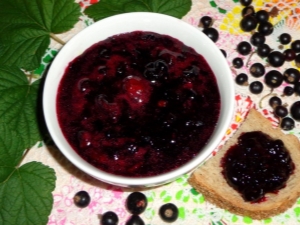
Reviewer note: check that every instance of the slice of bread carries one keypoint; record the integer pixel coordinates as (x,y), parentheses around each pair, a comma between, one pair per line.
(208,178)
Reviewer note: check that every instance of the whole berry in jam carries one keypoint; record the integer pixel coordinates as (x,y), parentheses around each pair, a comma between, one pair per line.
(295,110)
(205,22)
(135,220)
(287,124)
(168,212)
(136,203)
(257,69)
(212,33)
(109,218)
(244,48)
(237,62)
(275,101)
(256,87)
(242,79)
(276,59)
(285,38)
(248,23)
(82,199)
(273,78)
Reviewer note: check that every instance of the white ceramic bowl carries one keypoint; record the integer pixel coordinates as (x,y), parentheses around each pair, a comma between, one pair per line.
(189,35)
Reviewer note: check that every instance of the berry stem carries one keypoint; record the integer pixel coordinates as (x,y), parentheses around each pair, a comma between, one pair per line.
(247,63)
(261,100)
(57,39)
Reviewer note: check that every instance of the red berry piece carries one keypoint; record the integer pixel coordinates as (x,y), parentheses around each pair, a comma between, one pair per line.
(137,89)
(82,199)
(136,203)
(168,212)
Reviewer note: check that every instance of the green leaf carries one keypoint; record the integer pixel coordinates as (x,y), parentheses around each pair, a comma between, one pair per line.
(26,25)
(9,159)
(25,192)
(19,104)
(106,8)
(26,195)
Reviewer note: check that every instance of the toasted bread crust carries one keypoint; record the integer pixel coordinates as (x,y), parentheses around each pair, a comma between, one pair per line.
(209,181)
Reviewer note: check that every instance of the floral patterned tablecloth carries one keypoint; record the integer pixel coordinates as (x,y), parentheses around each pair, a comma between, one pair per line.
(193,209)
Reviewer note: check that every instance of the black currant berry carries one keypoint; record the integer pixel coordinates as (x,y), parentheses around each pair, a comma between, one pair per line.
(82,199)
(262,16)
(295,111)
(296,46)
(265,28)
(212,33)
(257,69)
(248,11)
(237,63)
(244,48)
(223,52)
(256,87)
(288,91)
(275,101)
(248,23)
(291,75)
(273,79)
(289,55)
(263,50)
(242,79)
(287,123)
(257,39)
(280,111)
(276,59)
(135,220)
(297,88)
(136,203)
(109,218)
(206,22)
(168,212)
(245,2)
(297,60)
(285,38)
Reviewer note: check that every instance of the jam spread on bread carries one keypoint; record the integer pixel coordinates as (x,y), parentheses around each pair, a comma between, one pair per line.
(138,104)
(257,165)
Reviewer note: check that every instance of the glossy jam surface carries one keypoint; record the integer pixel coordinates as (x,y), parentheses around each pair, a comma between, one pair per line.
(257,165)
(138,104)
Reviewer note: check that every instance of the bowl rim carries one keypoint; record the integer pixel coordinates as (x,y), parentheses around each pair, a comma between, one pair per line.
(133,181)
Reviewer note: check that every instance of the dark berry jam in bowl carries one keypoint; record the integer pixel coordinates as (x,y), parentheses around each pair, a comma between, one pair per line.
(138,99)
